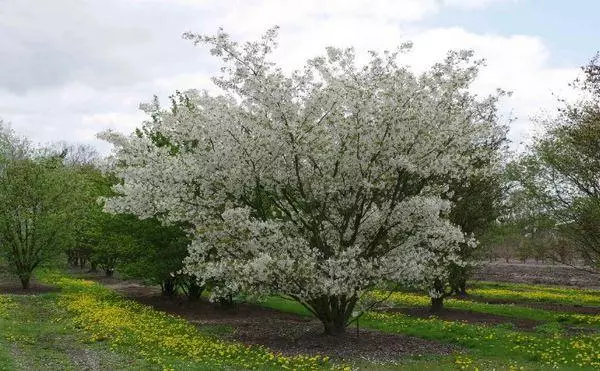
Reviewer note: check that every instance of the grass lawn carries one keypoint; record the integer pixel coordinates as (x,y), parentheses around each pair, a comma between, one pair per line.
(162,339)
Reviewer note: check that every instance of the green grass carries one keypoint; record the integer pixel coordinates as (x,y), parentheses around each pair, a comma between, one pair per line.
(6,362)
(454,362)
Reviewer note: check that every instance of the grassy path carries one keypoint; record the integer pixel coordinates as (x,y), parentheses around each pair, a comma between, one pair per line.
(35,335)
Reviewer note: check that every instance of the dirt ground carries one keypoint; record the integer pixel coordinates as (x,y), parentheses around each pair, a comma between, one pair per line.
(537,273)
(15,288)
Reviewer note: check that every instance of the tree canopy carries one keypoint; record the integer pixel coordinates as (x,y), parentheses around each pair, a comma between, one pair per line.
(317,184)
(561,171)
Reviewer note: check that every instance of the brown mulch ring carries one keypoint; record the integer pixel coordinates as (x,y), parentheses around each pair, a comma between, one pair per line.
(451,314)
(288,333)
(15,288)
(293,338)
(556,307)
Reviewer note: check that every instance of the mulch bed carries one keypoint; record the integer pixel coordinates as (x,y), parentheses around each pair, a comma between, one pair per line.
(451,314)
(292,338)
(35,288)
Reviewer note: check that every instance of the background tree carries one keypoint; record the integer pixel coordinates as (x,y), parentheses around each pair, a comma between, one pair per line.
(141,249)
(12,146)
(316,185)
(476,205)
(156,256)
(561,171)
(34,212)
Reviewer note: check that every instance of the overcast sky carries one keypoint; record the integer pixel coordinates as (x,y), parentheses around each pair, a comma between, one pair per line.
(71,68)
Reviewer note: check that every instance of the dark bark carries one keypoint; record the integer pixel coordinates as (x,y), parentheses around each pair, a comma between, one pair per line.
(334,328)
(72,258)
(228,303)
(462,288)
(193,291)
(25,283)
(82,262)
(168,287)
(437,305)
(93,267)
(459,287)
(334,312)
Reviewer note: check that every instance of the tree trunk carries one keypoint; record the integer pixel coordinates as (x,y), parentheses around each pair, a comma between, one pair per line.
(333,312)
(168,287)
(228,303)
(193,290)
(334,328)
(460,287)
(437,305)
(463,288)
(93,267)
(25,283)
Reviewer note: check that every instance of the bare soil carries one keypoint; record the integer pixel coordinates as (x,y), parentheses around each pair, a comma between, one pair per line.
(15,288)
(537,273)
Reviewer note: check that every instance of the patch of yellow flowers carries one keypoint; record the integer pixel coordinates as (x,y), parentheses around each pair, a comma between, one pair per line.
(403,298)
(162,338)
(464,362)
(6,303)
(542,295)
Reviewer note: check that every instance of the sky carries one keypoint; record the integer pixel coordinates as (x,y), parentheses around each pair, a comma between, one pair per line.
(72,68)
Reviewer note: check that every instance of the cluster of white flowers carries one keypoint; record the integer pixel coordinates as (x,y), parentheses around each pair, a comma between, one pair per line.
(317,184)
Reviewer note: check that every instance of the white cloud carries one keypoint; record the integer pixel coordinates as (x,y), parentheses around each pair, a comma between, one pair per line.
(73,67)
(473,4)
